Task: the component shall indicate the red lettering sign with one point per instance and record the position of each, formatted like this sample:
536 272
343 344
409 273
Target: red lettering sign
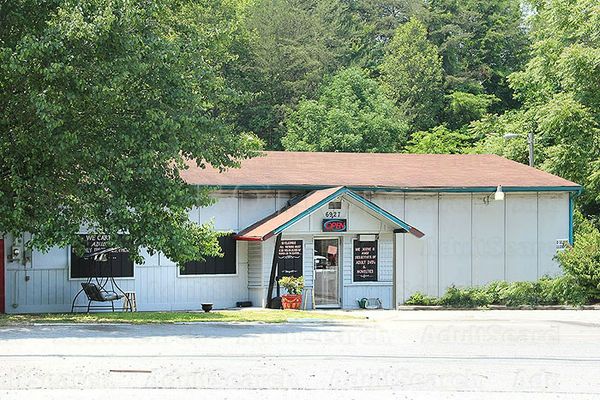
334 225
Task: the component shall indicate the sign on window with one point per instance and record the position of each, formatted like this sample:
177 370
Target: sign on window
365 261
289 258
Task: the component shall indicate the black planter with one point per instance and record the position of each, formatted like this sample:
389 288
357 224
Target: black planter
206 307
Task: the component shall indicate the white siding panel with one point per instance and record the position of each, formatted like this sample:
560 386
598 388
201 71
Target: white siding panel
488 239
521 237
398 278
157 287
255 264
553 224
301 226
194 214
254 207
56 257
224 213
385 258
346 258
282 199
421 254
268 248
352 294
455 241
309 252
392 203
360 221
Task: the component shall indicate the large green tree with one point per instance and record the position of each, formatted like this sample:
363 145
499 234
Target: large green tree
375 22
559 88
481 42
101 104
293 44
439 140
351 114
411 72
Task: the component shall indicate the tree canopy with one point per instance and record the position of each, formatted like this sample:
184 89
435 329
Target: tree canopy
102 102
412 74
351 114
559 89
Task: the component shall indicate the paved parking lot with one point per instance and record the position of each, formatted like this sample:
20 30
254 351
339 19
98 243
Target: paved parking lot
408 354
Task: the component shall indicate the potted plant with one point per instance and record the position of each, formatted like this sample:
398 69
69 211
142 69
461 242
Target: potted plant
293 299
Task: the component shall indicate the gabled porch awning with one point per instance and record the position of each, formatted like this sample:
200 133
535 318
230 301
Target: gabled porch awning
287 216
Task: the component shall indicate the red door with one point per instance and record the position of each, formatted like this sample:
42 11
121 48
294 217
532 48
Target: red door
2 291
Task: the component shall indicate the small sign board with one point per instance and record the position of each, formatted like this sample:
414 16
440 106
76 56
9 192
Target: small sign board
561 244
365 261
289 258
96 262
335 225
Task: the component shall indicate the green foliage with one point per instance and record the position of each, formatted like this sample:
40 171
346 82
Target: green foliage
419 299
293 44
582 261
561 100
462 108
481 43
376 22
412 74
292 284
465 298
439 140
351 114
101 104
521 293
562 290
496 290
490 130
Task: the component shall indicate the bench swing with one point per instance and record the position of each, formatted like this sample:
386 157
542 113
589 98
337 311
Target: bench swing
96 291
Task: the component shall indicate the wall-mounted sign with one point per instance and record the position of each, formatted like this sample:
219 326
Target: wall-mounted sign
289 258
335 225
562 244
365 261
98 262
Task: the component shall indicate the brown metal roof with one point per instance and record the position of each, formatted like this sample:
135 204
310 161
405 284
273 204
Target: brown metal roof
406 171
278 221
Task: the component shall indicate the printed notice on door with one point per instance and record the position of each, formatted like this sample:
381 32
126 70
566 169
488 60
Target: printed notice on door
289 258
365 261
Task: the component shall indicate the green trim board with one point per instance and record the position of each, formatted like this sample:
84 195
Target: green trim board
479 189
571 207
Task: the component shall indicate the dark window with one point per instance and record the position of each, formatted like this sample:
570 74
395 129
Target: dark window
335 205
97 262
215 265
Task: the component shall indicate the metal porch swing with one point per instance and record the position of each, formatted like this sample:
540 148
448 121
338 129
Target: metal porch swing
95 287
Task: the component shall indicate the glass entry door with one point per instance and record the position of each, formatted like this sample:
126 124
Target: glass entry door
327 284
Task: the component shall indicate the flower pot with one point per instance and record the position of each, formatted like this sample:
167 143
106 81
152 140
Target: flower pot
206 307
291 301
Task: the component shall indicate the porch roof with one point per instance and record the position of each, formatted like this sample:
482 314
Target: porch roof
287 216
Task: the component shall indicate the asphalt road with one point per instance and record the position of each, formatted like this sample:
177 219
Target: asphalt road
396 355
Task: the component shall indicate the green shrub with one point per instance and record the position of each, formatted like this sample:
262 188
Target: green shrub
563 290
419 299
521 293
495 291
582 262
465 298
292 284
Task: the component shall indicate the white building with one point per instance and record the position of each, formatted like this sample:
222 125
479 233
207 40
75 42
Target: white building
354 225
